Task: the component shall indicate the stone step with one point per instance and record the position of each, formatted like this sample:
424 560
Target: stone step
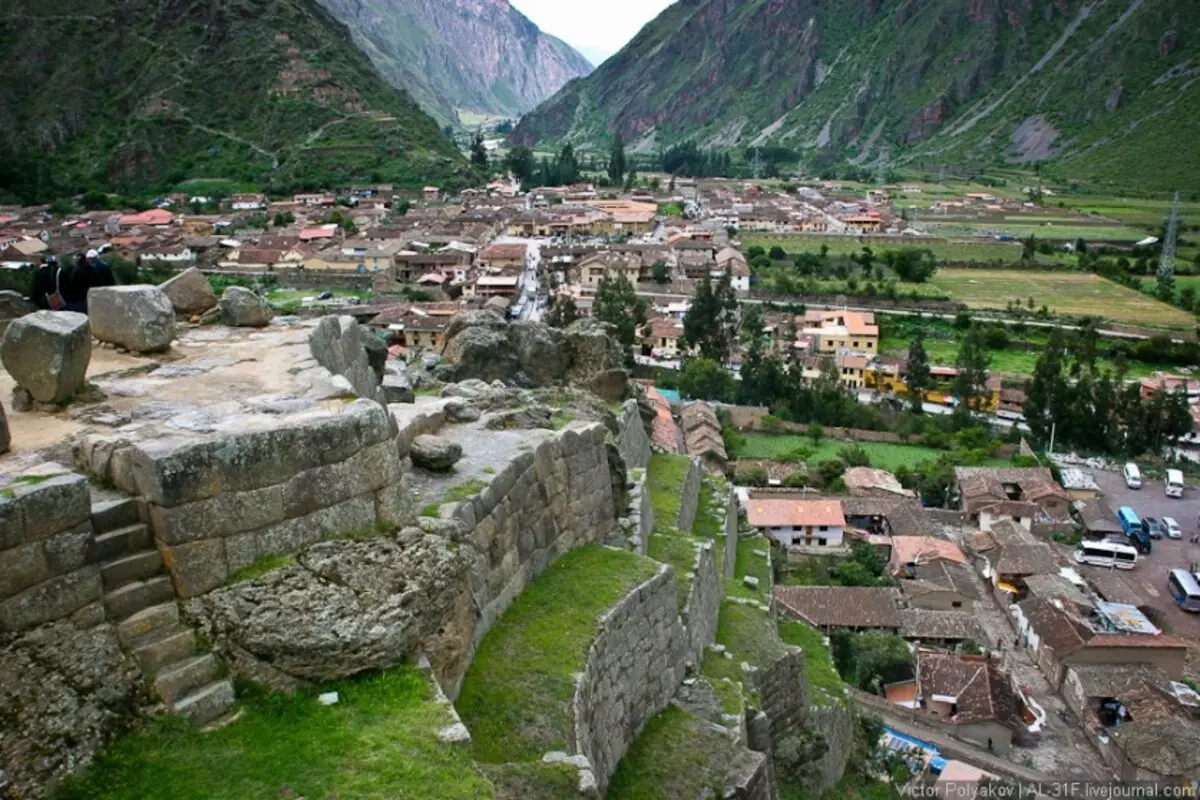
227 718
121 542
174 682
169 646
133 597
128 569
145 622
109 515
207 703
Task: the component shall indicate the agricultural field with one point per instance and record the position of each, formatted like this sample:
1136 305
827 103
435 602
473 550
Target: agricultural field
1071 293
883 455
1022 227
979 252
1145 214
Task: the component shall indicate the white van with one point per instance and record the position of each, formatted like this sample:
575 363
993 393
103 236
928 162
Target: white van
1133 477
1174 483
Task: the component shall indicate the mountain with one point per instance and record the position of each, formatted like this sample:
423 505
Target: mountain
140 94
1101 89
477 56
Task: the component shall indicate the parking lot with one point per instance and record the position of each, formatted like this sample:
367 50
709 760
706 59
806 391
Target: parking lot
1150 577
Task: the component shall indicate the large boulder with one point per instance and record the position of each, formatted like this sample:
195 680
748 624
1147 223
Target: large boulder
47 354
5 435
539 349
190 292
138 318
345 348
344 607
592 349
242 308
13 306
477 347
435 453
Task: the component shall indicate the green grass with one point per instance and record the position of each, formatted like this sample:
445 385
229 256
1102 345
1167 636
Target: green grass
730 693
884 455
296 295
430 510
669 546
825 686
677 755
380 740
464 491
705 526
665 480
261 566
1070 293
749 634
750 563
516 696
945 251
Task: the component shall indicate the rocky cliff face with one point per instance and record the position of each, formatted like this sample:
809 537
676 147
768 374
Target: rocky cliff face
481 56
1103 84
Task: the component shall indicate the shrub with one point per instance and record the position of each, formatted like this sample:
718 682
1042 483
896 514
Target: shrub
796 480
830 470
752 476
854 456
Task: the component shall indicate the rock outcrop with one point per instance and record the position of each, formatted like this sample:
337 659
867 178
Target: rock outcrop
435 453
5 435
13 306
242 308
345 348
138 318
190 292
343 608
480 345
47 354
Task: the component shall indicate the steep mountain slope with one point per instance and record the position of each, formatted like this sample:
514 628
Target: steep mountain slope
1103 88
481 56
143 93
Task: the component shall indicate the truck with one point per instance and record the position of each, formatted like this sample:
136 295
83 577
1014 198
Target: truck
1174 483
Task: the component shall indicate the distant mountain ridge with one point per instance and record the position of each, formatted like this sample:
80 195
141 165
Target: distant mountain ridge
1099 88
136 95
480 56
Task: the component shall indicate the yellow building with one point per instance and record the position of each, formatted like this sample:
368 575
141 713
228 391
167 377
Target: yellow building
836 331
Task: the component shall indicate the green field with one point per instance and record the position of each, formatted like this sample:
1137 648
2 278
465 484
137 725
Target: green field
1071 293
1146 214
882 454
979 252
1024 227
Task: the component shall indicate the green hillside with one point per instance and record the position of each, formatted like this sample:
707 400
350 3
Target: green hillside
1104 90
138 94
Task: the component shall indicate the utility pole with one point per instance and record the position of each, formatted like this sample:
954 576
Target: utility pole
1166 262
756 164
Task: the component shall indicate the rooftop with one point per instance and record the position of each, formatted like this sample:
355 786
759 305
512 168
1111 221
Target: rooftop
770 513
841 606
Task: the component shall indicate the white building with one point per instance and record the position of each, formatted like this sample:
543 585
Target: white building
798 522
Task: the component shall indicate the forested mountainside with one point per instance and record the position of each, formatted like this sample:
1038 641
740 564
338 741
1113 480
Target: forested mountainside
1102 89
135 94
479 56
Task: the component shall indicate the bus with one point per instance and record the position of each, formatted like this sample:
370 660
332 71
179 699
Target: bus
1185 589
1106 554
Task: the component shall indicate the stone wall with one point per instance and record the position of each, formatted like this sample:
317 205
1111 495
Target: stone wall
634 666
339 344
703 604
632 441
751 779
731 534
836 725
48 570
543 504
689 497
783 692
259 486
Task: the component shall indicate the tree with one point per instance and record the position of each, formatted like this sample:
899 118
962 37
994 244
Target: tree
777 253
562 311
705 379
616 160
617 304
710 323
521 164
567 166
971 383
660 272
479 155
870 660
918 379
912 265
1044 391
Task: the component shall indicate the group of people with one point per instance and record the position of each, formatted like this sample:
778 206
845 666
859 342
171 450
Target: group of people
63 285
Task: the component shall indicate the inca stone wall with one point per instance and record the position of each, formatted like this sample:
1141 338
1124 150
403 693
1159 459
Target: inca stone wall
632 441
48 570
703 604
751 779
783 692
543 504
689 497
731 534
836 724
634 666
219 501
339 344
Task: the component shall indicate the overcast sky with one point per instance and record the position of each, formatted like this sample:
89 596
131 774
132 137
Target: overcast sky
596 28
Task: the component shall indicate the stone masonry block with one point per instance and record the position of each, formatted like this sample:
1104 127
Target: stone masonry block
51 600
52 505
241 550
350 516
366 471
22 567
227 513
196 567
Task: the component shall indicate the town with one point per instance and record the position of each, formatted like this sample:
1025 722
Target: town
876 391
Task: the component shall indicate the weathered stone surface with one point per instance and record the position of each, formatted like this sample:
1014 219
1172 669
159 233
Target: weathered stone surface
242 308
5 434
460 411
397 389
64 693
138 318
47 354
520 419
592 348
41 503
345 348
190 292
343 608
435 453
196 567
50 600
610 384
13 306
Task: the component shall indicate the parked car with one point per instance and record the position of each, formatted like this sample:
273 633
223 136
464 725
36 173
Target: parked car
1173 529
1153 528
1174 483
1133 476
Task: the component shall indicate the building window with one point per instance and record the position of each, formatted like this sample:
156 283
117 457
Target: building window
824 528
821 542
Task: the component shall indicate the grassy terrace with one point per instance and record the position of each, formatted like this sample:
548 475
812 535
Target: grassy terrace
676 755
884 455
749 634
516 697
825 686
664 479
380 740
